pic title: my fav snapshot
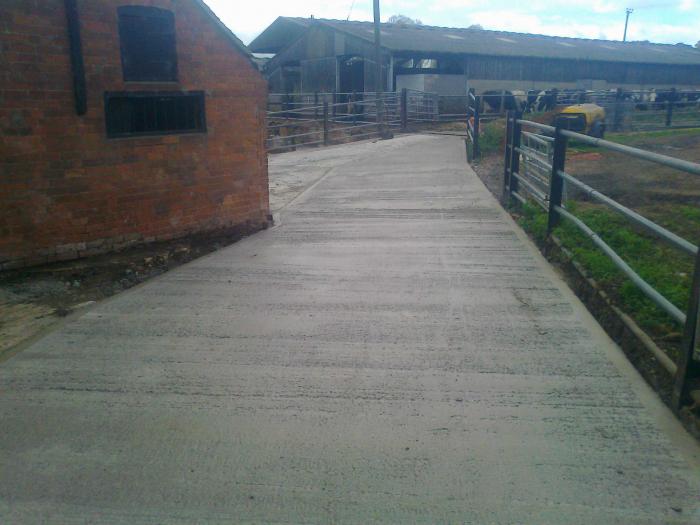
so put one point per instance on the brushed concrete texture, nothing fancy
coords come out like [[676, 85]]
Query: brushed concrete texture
[[394, 351]]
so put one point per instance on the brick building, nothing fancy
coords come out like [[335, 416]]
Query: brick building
[[123, 122]]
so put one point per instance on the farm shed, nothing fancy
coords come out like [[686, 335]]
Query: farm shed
[[125, 122], [331, 55]]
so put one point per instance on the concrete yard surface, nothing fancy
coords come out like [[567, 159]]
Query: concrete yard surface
[[393, 351]]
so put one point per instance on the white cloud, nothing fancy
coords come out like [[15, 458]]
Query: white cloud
[[668, 21]]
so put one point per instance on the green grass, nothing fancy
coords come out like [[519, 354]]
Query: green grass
[[491, 137], [634, 138], [665, 268]]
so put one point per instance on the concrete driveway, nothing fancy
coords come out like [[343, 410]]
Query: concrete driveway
[[394, 351]]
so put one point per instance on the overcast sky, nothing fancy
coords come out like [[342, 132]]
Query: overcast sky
[[668, 21]]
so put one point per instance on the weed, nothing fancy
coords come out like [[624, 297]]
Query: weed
[[668, 270]]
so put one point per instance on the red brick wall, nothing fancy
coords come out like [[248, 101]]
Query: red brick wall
[[68, 191]]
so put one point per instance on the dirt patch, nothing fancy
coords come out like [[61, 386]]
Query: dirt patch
[[34, 299], [638, 183]]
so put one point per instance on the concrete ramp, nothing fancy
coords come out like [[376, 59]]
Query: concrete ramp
[[394, 351]]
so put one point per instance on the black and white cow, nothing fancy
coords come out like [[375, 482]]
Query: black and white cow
[[547, 100], [508, 100]]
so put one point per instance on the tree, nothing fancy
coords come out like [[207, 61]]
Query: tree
[[403, 20], [476, 26]]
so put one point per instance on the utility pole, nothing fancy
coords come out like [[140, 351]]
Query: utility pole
[[629, 11], [379, 85]]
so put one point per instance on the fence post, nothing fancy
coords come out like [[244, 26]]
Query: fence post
[[688, 367], [556, 183], [335, 103], [476, 152], [619, 110], [669, 112], [404, 109], [316, 104], [514, 154], [503, 102], [507, 158], [325, 123]]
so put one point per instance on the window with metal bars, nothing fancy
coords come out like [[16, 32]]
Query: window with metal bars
[[147, 36], [130, 114]]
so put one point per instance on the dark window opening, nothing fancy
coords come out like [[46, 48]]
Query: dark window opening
[[140, 114], [147, 36]]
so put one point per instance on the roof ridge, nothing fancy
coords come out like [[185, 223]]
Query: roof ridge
[[496, 31]]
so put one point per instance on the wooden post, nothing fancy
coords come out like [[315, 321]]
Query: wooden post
[[619, 110], [325, 123], [669, 112], [404, 109], [688, 367], [556, 183]]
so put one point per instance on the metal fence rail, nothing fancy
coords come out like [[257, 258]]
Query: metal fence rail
[[313, 119], [523, 187], [473, 125]]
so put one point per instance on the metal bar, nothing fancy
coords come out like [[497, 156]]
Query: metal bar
[[527, 152], [664, 160], [302, 134], [508, 150], [645, 287], [517, 196], [477, 130], [530, 187], [688, 367], [556, 183], [515, 156], [660, 231], [537, 125], [542, 139], [316, 142]]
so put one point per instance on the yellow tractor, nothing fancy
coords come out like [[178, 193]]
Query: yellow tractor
[[588, 119]]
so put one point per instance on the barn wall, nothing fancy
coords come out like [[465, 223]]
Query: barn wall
[[317, 53], [68, 190], [540, 73]]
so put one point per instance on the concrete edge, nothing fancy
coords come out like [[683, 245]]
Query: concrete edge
[[667, 422], [77, 314]]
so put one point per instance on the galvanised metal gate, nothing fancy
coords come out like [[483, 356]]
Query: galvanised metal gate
[[538, 175]]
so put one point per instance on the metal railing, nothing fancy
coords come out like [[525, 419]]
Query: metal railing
[[473, 126], [299, 120], [521, 188]]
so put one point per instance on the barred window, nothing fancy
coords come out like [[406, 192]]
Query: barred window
[[147, 36], [130, 114]]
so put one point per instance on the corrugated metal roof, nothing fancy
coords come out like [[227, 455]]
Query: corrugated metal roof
[[432, 39]]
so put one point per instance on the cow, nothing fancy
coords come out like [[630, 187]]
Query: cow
[[547, 100], [508, 100], [644, 99], [664, 97]]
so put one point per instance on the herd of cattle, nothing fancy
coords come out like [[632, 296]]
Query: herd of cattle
[[547, 100]]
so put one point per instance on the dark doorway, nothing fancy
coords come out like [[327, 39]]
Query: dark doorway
[[351, 74], [291, 77]]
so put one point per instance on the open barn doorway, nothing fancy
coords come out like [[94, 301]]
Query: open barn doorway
[[351, 74]]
